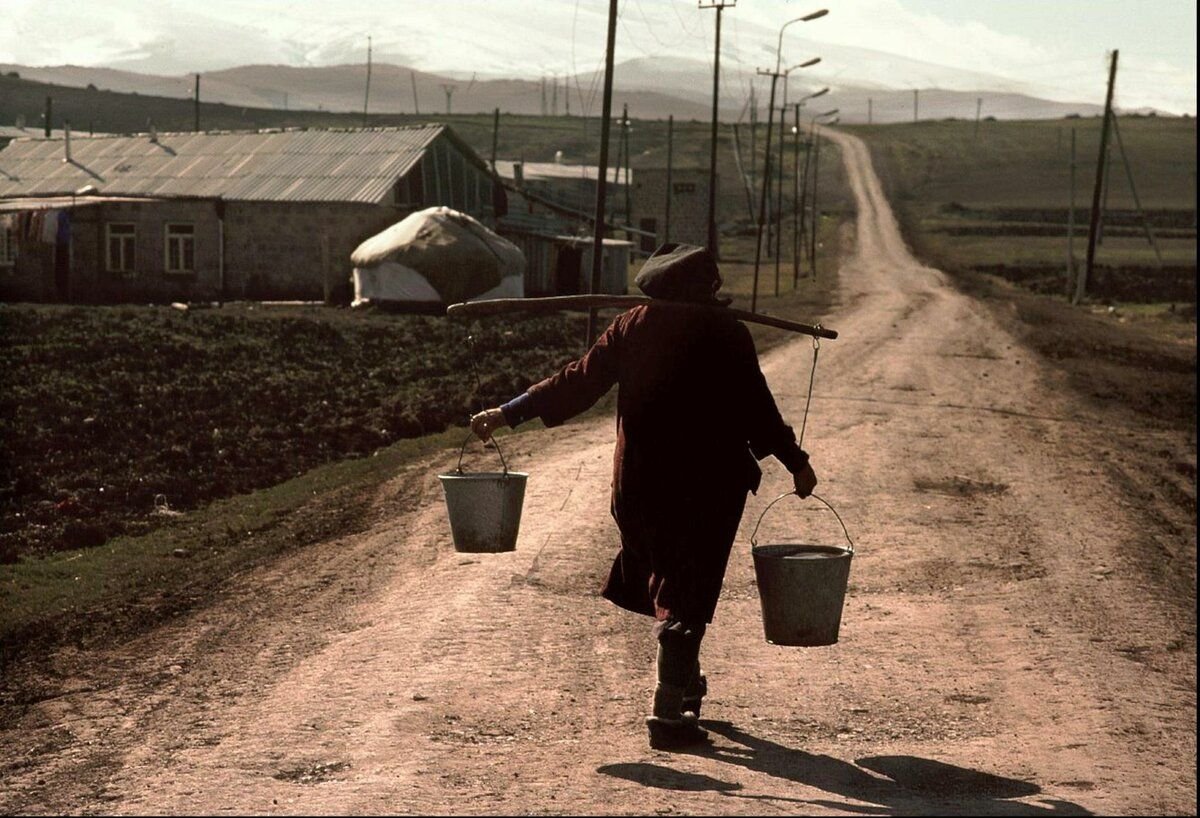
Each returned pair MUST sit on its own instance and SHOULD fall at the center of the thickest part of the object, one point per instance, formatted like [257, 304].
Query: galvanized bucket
[802, 587]
[484, 507]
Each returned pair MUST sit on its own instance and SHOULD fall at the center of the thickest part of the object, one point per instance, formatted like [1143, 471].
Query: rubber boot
[671, 728]
[695, 692]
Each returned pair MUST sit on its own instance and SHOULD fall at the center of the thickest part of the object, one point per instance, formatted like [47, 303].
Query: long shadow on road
[888, 785]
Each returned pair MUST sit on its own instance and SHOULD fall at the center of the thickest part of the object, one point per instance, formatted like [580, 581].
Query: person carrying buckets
[694, 415]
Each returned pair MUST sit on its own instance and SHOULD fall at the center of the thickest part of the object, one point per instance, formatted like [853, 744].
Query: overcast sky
[1054, 48]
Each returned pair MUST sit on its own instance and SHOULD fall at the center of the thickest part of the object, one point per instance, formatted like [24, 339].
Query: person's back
[694, 415]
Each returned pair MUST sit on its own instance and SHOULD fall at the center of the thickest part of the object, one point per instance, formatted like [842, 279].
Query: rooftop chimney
[66, 141]
[153, 133]
[21, 121]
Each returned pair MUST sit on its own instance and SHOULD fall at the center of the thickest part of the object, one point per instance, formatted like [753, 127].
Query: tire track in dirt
[1001, 651]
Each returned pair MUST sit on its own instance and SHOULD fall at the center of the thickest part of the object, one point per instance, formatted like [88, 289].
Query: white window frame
[128, 251]
[182, 239]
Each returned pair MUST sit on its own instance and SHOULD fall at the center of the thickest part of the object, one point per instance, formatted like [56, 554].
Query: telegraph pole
[1071, 222]
[449, 89]
[720, 6]
[1083, 281]
[816, 214]
[625, 141]
[412, 75]
[495, 137]
[367, 93]
[670, 189]
[196, 106]
[779, 193]
[602, 176]
[796, 200]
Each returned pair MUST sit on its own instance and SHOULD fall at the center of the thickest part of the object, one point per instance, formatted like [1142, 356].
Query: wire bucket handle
[494, 442]
[754, 536]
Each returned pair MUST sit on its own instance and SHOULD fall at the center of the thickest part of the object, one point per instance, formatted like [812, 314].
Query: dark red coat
[693, 414]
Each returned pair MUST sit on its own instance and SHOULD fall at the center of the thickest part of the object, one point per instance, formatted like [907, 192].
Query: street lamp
[777, 222]
[816, 213]
[775, 75]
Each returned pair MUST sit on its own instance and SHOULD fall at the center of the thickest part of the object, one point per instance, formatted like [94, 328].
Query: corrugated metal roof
[300, 166]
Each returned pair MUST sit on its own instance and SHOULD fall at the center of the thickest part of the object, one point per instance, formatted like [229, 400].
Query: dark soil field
[110, 418]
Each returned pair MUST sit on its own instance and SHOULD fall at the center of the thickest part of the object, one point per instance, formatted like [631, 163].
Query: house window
[8, 246]
[121, 240]
[181, 248]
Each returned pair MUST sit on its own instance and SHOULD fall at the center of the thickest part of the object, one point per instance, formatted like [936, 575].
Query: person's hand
[486, 421]
[805, 480]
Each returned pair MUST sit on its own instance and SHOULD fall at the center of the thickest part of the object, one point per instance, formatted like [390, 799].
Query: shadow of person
[665, 778]
[894, 785]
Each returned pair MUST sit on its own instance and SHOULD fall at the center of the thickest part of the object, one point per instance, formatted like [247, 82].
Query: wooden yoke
[500, 306]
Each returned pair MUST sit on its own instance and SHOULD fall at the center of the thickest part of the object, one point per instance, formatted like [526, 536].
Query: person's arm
[768, 434]
[557, 399]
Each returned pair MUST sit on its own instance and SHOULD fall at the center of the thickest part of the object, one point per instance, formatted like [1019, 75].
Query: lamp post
[762, 207]
[778, 214]
[800, 200]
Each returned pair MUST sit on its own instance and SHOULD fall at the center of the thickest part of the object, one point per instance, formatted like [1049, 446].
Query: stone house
[270, 215]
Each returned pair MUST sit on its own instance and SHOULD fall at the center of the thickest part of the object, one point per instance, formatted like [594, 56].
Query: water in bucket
[801, 587]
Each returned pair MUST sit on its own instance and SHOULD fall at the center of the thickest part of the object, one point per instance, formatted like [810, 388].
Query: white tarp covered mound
[437, 254]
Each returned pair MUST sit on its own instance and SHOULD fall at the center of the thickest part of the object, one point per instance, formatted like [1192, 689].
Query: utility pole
[796, 199]
[449, 89]
[554, 97]
[1085, 279]
[779, 195]
[543, 96]
[1104, 201]
[602, 176]
[625, 140]
[670, 187]
[737, 158]
[620, 163]
[196, 106]
[816, 214]
[567, 96]
[915, 104]
[495, 137]
[412, 75]
[1137, 202]
[1071, 223]
[367, 93]
[719, 5]
[978, 111]
[804, 220]
[762, 201]
[753, 139]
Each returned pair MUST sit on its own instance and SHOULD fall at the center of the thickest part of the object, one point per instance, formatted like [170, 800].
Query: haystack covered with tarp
[437, 255]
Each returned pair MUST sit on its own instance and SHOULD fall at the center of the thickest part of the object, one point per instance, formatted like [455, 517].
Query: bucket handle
[754, 536]
[495, 443]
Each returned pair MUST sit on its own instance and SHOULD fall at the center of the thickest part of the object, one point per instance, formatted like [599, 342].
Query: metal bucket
[801, 587]
[484, 507]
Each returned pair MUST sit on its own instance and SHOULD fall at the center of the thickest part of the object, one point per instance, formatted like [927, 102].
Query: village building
[688, 219]
[264, 215]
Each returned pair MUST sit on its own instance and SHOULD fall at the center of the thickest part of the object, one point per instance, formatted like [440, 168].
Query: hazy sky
[1052, 48]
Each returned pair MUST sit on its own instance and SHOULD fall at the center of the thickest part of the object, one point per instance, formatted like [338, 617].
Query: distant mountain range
[652, 87]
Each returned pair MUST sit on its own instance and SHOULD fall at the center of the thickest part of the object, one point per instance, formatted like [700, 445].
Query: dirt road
[1014, 641]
